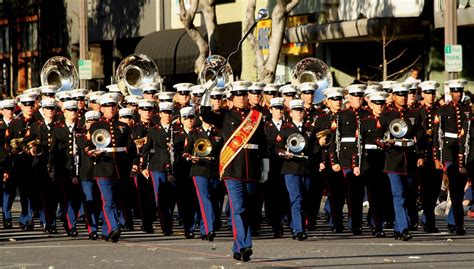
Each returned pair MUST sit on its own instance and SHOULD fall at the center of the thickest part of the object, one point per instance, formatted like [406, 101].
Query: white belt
[450, 135]
[371, 146]
[404, 143]
[113, 149]
[251, 146]
[348, 140]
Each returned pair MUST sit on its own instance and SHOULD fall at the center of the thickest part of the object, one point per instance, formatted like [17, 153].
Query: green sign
[85, 69]
[453, 58]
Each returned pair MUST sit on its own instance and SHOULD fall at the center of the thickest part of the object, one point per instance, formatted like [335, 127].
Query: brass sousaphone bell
[216, 72]
[202, 148]
[313, 70]
[134, 71]
[60, 72]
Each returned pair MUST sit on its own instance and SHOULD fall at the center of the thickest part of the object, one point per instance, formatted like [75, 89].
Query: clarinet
[338, 137]
[440, 140]
[74, 152]
[466, 143]
[171, 148]
[359, 143]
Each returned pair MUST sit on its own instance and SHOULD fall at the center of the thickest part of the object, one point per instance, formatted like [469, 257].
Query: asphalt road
[322, 249]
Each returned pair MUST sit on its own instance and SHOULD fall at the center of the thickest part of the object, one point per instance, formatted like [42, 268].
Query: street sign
[85, 69]
[453, 58]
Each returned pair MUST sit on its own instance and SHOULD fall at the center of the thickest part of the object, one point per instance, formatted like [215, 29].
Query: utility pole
[83, 38]
[450, 28]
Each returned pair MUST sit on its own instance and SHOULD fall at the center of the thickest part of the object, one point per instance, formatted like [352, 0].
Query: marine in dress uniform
[296, 167]
[387, 87]
[182, 97]
[447, 133]
[241, 164]
[269, 91]
[288, 92]
[159, 164]
[111, 162]
[6, 190]
[402, 159]
[371, 159]
[325, 127]
[144, 186]
[430, 177]
[17, 175]
[131, 102]
[205, 174]
[344, 150]
[79, 95]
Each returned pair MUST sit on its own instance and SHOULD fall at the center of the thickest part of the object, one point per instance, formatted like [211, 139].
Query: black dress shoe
[414, 228]
[29, 226]
[356, 231]
[93, 236]
[246, 253]
[7, 224]
[105, 237]
[388, 225]
[460, 231]
[73, 233]
[237, 256]
[300, 236]
[210, 236]
[337, 230]
[53, 230]
[148, 229]
[278, 234]
[405, 235]
[114, 236]
[379, 233]
[430, 229]
[189, 235]
[451, 228]
[203, 237]
[167, 233]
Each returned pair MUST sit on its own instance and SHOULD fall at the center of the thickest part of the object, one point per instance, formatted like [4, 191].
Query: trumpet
[15, 143]
[34, 147]
[140, 142]
[202, 149]
[323, 133]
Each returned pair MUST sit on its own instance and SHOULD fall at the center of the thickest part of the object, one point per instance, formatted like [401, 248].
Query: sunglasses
[183, 93]
[167, 111]
[307, 92]
[216, 97]
[255, 92]
[357, 94]
[380, 103]
[71, 109]
[270, 93]
[28, 104]
[109, 105]
[388, 90]
[79, 98]
[298, 109]
[291, 94]
[199, 94]
[337, 98]
[239, 94]
[456, 89]
[49, 108]
[278, 107]
[429, 92]
[147, 109]
[404, 94]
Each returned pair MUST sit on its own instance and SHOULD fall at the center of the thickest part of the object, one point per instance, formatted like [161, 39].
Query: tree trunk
[187, 18]
[208, 8]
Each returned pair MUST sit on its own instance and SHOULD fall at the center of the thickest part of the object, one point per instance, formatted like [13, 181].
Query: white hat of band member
[149, 88]
[297, 103]
[187, 112]
[50, 102]
[48, 89]
[94, 96]
[372, 88]
[79, 93]
[107, 99]
[33, 91]
[146, 104]
[288, 90]
[165, 106]
[8, 104]
[356, 88]
[387, 84]
[26, 98]
[183, 87]
[197, 90]
[113, 88]
[92, 115]
[132, 99]
[307, 87]
[239, 86]
[378, 97]
[400, 87]
[271, 88]
[456, 83]
[256, 88]
[63, 96]
[413, 85]
[332, 92]
[429, 85]
[277, 102]
[70, 105]
[165, 96]
[125, 112]
[217, 92]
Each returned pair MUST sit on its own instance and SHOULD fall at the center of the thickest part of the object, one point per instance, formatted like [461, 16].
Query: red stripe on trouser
[201, 205]
[109, 230]
[234, 229]
[69, 224]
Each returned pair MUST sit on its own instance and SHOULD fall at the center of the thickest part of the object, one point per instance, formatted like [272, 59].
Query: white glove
[265, 170]
[206, 98]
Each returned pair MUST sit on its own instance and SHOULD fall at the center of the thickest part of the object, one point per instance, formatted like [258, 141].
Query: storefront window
[4, 39]
[29, 36]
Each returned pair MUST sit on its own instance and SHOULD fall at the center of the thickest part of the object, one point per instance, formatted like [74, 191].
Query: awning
[174, 52]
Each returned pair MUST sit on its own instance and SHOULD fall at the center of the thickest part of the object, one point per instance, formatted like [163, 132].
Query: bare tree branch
[405, 68]
[398, 56]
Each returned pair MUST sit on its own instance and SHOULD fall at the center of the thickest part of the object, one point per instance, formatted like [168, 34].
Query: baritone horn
[202, 148]
[216, 72]
[313, 70]
[295, 143]
[101, 138]
[398, 128]
[134, 71]
[60, 72]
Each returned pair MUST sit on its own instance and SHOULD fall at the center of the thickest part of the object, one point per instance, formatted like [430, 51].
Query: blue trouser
[297, 187]
[206, 190]
[457, 182]
[109, 189]
[160, 188]
[90, 202]
[239, 195]
[71, 202]
[9, 194]
[403, 200]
